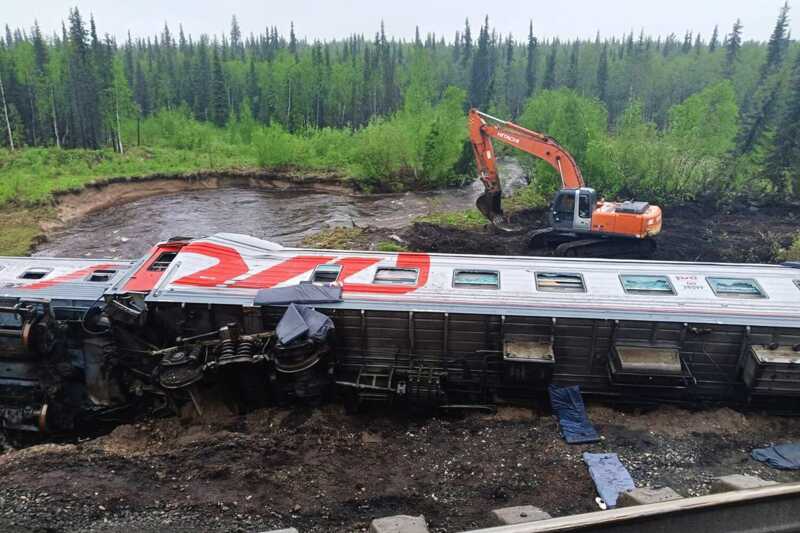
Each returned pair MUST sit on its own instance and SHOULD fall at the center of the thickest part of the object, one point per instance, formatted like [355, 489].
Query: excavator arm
[483, 128]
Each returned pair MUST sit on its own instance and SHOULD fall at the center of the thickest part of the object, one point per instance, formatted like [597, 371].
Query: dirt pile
[323, 470]
[691, 232]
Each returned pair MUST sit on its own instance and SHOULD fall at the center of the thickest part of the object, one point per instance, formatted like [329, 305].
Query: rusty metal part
[42, 419]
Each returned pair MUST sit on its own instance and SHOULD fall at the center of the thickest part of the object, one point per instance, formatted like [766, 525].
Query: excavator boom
[483, 128]
[579, 223]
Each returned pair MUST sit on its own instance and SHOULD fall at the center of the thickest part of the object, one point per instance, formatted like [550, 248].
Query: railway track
[767, 509]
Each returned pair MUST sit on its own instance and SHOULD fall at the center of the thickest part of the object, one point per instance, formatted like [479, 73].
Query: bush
[275, 147]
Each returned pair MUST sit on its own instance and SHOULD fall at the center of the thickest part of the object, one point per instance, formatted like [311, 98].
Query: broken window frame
[713, 283]
[377, 281]
[108, 272]
[645, 291]
[161, 265]
[557, 288]
[327, 268]
[467, 285]
[44, 271]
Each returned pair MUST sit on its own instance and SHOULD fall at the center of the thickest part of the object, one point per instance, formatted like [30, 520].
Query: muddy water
[128, 230]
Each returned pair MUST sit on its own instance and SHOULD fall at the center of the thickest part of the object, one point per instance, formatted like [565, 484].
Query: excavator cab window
[564, 207]
[584, 205]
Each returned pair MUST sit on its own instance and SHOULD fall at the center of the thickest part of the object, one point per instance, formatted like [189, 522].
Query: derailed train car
[86, 341]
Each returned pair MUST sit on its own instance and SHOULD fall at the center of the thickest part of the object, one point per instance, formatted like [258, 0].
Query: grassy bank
[29, 177]
[530, 197]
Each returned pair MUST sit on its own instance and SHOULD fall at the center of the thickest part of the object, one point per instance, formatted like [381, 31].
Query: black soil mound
[691, 232]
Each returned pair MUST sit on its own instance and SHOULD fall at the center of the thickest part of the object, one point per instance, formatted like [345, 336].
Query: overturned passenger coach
[86, 341]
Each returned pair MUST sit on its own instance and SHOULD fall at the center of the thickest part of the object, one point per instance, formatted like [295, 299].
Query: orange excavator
[580, 225]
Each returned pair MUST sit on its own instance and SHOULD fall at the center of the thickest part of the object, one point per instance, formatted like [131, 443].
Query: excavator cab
[572, 209]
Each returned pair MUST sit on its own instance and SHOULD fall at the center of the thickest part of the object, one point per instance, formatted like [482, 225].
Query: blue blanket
[782, 456]
[609, 476]
[568, 405]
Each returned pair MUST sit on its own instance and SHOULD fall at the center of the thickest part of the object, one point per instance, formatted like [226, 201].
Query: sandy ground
[324, 470]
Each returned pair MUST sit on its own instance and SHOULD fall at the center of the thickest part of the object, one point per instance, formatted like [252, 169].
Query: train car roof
[231, 269]
[59, 279]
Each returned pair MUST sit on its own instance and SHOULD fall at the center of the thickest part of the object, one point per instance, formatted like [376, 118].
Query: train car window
[396, 276]
[162, 261]
[476, 279]
[35, 273]
[559, 281]
[326, 273]
[736, 287]
[101, 276]
[646, 284]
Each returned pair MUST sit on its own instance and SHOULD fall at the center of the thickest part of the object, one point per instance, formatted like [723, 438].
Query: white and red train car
[86, 340]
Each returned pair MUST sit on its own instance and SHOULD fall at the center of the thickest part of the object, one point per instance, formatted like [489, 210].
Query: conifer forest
[668, 117]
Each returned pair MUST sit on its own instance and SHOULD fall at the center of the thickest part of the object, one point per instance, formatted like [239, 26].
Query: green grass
[525, 198]
[334, 238]
[467, 219]
[20, 229]
[30, 176]
[792, 253]
[390, 246]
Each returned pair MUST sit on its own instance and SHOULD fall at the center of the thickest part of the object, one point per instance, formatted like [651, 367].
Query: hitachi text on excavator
[580, 224]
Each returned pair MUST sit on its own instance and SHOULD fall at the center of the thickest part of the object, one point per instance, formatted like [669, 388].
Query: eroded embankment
[111, 192]
[25, 226]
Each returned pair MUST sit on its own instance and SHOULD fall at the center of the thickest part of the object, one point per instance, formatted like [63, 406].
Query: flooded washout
[287, 217]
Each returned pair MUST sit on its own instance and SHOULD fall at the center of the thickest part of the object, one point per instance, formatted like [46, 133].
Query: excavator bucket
[489, 204]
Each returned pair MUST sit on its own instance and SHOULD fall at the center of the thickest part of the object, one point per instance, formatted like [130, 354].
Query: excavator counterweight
[580, 224]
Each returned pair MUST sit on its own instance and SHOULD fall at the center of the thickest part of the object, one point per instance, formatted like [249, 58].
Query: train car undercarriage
[65, 368]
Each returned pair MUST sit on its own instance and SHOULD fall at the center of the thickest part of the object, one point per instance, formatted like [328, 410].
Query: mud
[324, 470]
[691, 232]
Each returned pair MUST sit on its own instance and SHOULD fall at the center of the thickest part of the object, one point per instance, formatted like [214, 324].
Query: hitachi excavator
[580, 225]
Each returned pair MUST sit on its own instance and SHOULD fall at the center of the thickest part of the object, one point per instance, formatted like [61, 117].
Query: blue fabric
[609, 476]
[782, 456]
[568, 405]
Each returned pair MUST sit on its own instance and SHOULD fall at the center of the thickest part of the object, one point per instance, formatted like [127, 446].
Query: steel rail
[774, 508]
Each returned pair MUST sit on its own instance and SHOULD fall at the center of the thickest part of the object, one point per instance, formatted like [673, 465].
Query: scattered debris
[781, 456]
[609, 475]
[568, 405]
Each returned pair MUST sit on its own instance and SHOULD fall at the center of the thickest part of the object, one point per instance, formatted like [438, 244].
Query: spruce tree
[84, 95]
[778, 43]
[481, 76]
[292, 41]
[714, 42]
[732, 47]
[466, 49]
[237, 47]
[530, 62]
[549, 81]
[783, 160]
[602, 75]
[219, 94]
[572, 70]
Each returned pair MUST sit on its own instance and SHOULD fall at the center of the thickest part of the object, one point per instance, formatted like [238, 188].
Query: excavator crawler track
[607, 248]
